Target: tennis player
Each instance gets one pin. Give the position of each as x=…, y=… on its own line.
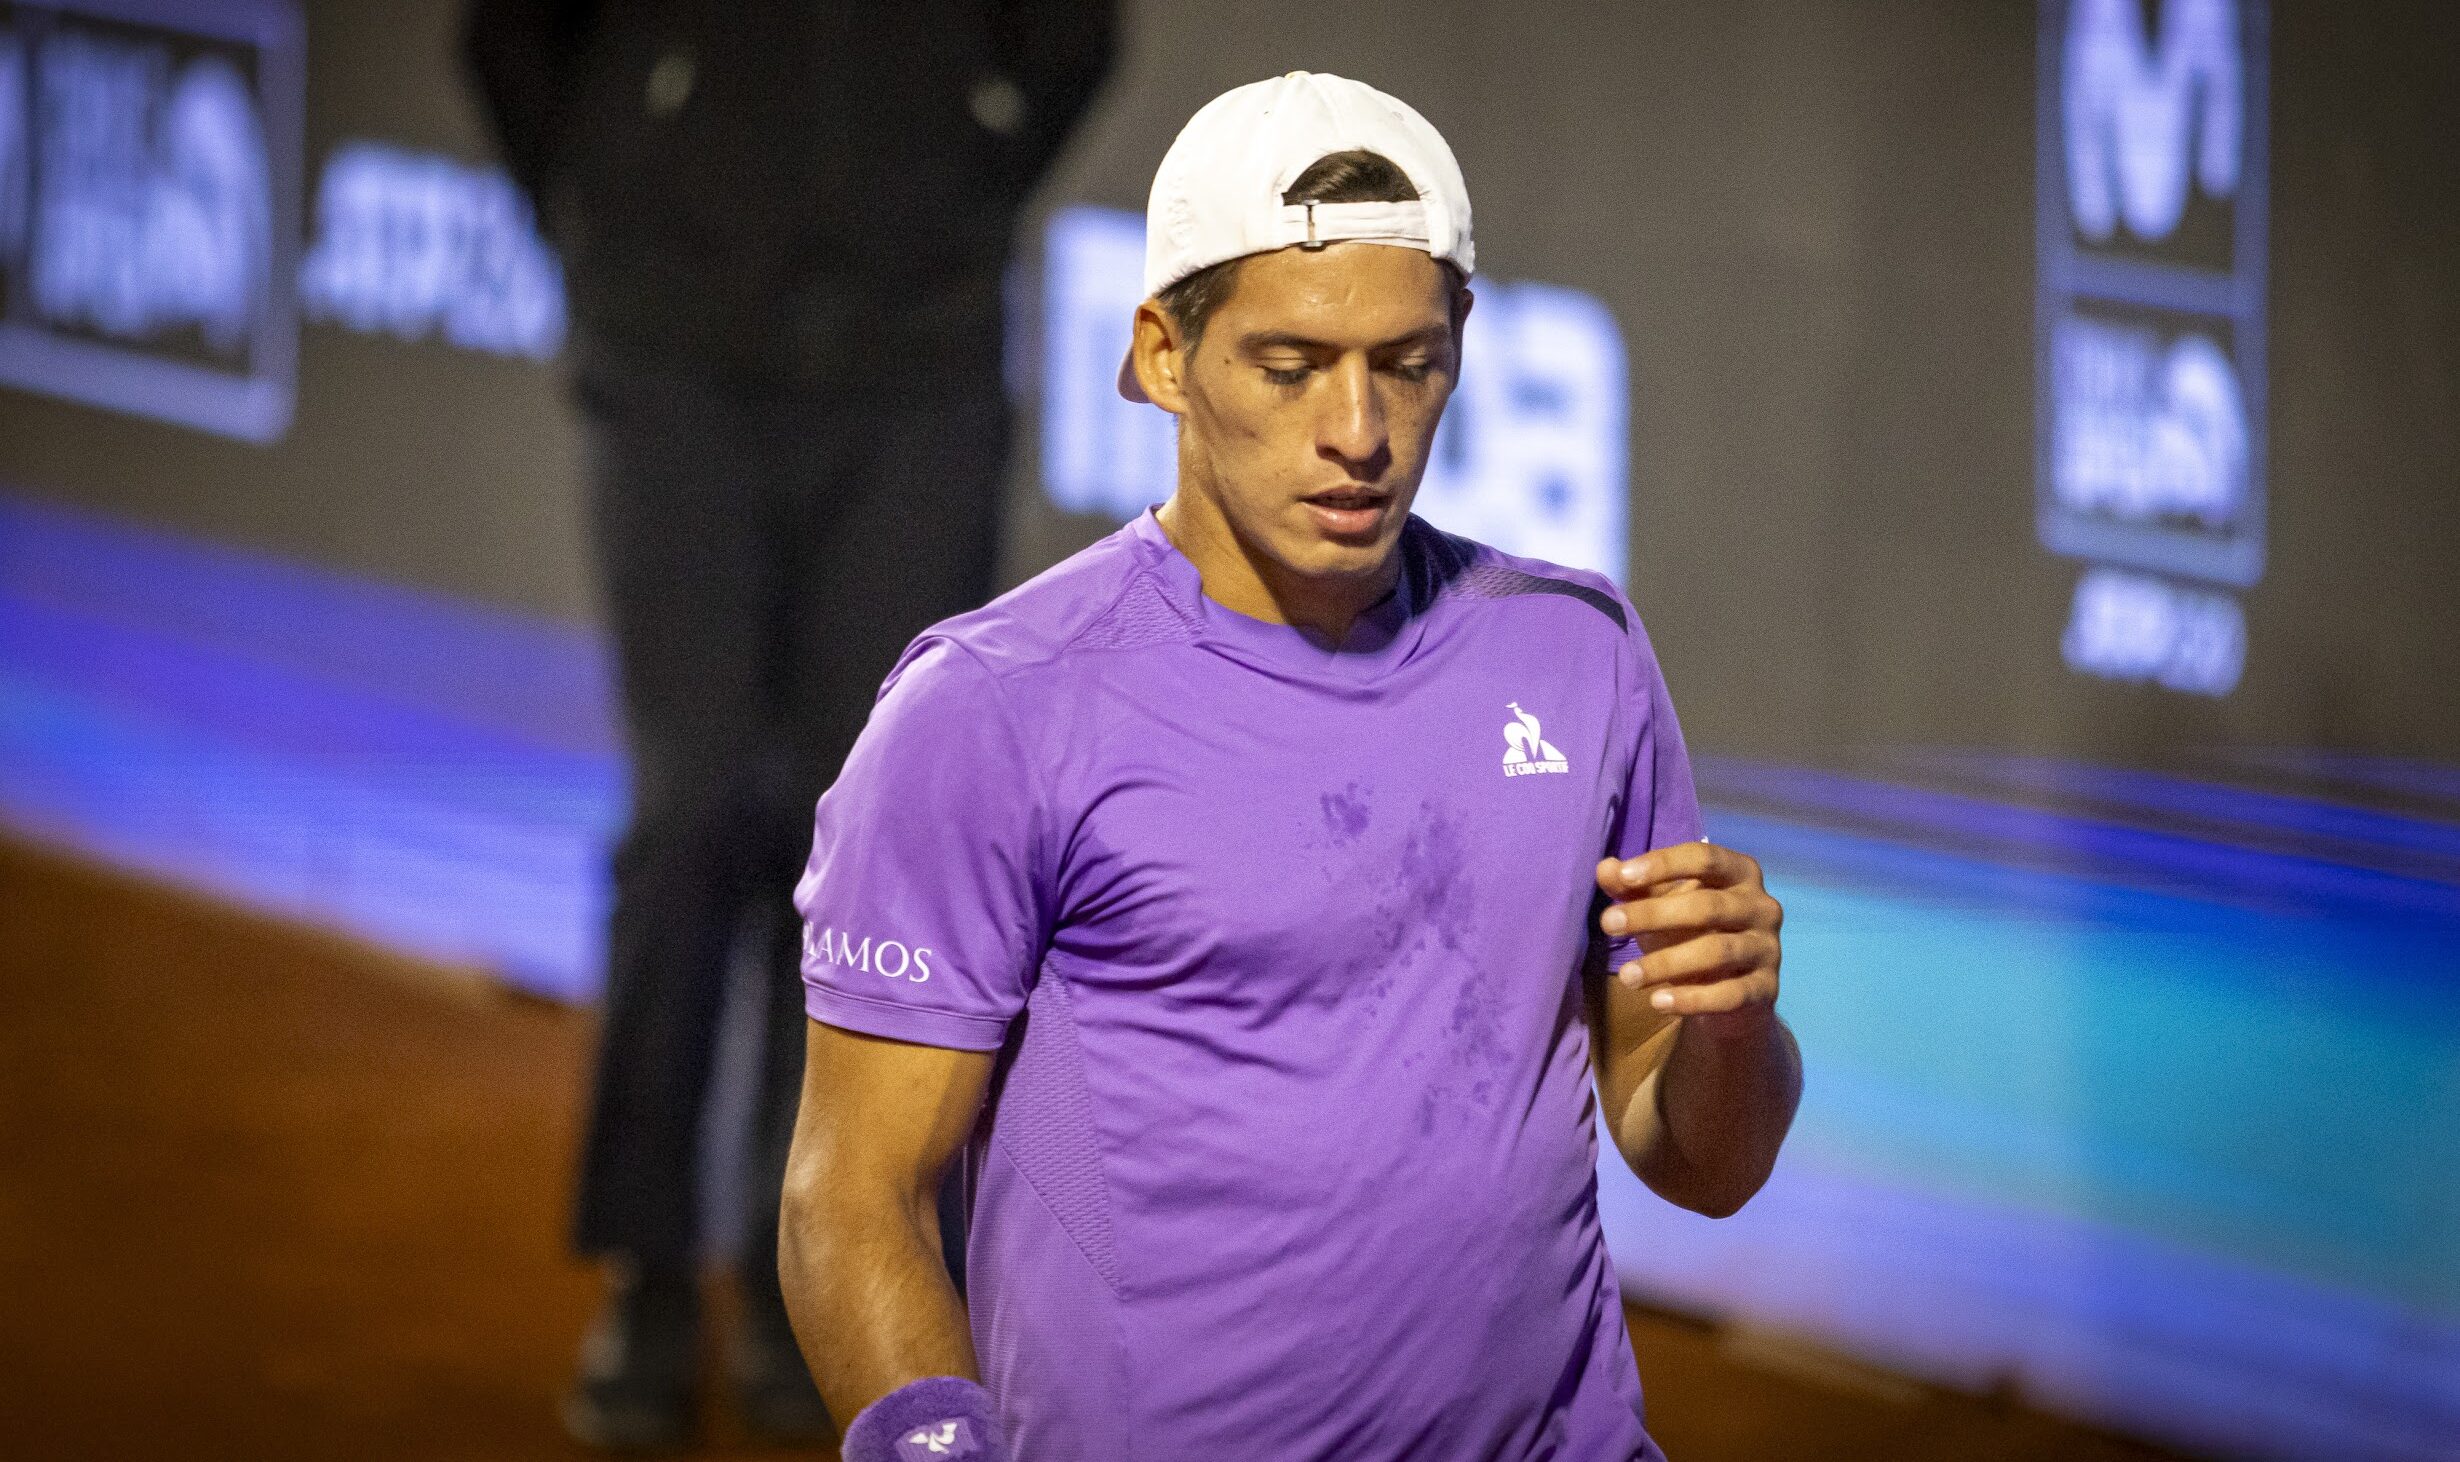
x=1264, y=891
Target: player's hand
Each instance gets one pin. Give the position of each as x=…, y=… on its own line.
x=1707, y=930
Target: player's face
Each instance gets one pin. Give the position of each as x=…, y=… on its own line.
x=1312, y=397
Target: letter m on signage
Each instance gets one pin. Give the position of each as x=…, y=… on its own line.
x=2150, y=113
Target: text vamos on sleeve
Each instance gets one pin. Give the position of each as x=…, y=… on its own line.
x=889, y=958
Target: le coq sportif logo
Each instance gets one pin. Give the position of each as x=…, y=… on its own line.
x=1526, y=751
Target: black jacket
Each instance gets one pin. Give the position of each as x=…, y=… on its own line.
x=799, y=192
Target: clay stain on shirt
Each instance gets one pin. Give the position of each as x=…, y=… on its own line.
x=1429, y=899
x=1427, y=919
x=1345, y=813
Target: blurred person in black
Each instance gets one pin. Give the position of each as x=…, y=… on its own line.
x=783, y=229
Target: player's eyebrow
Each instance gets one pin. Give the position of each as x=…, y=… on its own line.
x=1290, y=340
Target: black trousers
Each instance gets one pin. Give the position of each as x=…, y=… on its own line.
x=763, y=559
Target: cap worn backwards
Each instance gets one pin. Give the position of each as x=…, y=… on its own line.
x=1217, y=195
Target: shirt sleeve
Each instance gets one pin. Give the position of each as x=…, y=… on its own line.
x=1660, y=806
x=924, y=908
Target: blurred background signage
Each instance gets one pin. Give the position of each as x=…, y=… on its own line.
x=2151, y=330
x=149, y=183
x=151, y=220
x=420, y=247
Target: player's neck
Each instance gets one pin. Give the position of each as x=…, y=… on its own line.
x=1241, y=577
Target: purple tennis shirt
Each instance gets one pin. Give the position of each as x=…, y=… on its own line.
x=1292, y=1147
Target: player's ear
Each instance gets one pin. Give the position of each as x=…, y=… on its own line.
x=1159, y=358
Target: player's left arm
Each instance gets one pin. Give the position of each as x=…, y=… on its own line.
x=1698, y=1076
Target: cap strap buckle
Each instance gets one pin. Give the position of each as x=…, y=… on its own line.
x=1319, y=226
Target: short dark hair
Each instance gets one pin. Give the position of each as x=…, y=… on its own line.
x=1354, y=176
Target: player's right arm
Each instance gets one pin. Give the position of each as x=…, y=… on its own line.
x=926, y=912
x=858, y=1230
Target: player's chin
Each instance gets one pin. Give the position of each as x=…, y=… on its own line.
x=1322, y=560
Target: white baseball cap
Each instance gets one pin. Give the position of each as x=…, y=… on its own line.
x=1217, y=194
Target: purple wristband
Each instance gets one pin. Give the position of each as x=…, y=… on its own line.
x=935, y=1419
